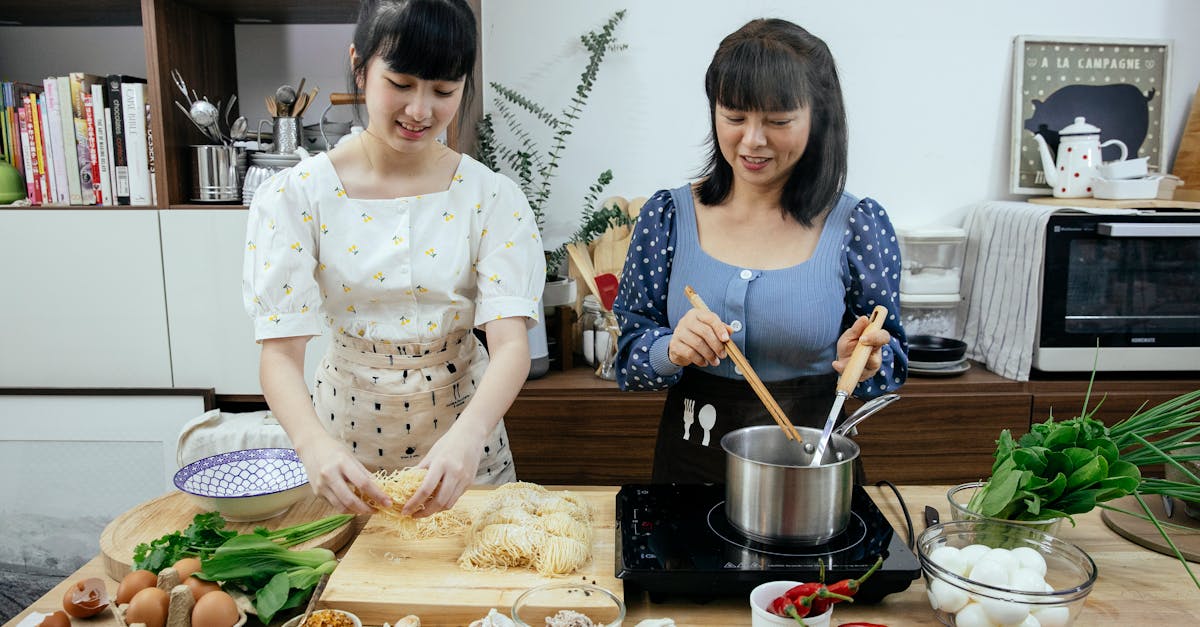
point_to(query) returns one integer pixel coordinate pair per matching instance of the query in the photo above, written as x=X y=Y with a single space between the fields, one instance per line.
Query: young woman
x=400 y=246
x=787 y=261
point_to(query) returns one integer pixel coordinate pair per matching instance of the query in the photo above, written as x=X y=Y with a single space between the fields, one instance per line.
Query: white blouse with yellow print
x=400 y=270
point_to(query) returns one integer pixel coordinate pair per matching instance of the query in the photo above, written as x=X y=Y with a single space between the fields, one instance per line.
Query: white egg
x=973 y=552
x=951 y=559
x=933 y=601
x=1030 y=621
x=1047 y=587
x=948 y=598
x=1004 y=556
x=989 y=572
x=1028 y=581
x=1004 y=612
x=972 y=616
x=1030 y=558
x=1053 y=616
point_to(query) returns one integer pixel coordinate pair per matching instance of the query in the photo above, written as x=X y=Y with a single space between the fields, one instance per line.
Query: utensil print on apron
x=689 y=417
x=708 y=420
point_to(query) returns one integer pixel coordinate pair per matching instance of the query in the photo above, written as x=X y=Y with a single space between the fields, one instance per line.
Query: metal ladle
x=205 y=114
x=286 y=97
x=864 y=412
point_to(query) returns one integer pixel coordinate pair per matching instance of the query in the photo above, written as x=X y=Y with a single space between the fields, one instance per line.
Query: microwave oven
x=1121 y=292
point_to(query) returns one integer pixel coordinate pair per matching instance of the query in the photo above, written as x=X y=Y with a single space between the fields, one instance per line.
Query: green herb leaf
x=270 y=598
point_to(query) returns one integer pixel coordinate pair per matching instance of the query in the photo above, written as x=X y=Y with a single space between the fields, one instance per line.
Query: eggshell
x=215 y=609
x=135 y=582
x=86 y=597
x=199 y=587
x=1004 y=612
x=57 y=619
x=1031 y=559
x=972 y=616
x=1053 y=616
x=949 y=598
x=185 y=567
x=148 y=606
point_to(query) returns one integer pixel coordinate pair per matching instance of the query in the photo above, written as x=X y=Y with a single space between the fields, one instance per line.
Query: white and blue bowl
x=247 y=485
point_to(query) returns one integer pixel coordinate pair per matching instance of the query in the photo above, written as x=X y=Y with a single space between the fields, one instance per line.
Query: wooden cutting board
x=1144 y=533
x=382 y=579
x=174 y=512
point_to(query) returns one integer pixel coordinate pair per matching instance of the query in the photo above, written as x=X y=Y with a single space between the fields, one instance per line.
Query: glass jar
x=607 y=333
x=592 y=314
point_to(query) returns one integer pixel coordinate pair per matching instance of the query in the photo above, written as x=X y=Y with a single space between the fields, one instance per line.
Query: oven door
x=1128 y=284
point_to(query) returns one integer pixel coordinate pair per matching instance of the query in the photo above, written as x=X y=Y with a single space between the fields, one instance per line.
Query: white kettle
x=1071 y=175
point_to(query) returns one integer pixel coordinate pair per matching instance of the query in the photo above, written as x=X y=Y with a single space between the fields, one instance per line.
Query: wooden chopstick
x=578 y=253
x=751 y=377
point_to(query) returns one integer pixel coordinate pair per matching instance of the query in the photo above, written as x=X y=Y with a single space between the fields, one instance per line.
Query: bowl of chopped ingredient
x=325 y=618
x=982 y=572
x=568 y=604
x=246 y=485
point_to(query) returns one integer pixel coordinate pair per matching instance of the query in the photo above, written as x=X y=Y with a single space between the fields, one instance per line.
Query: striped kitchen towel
x=1002 y=282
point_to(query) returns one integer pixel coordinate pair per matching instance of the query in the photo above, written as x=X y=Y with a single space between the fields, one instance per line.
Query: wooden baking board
x=1187 y=160
x=174 y=512
x=382 y=578
x=1098 y=203
x=1144 y=533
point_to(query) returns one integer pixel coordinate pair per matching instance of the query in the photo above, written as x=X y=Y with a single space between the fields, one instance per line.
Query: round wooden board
x=1144 y=533
x=174 y=512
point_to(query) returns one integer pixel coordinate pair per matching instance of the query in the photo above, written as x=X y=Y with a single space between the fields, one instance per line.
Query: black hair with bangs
x=431 y=39
x=775 y=65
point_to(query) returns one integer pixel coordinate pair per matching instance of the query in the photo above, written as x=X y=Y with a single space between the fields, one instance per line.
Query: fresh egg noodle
x=400 y=485
x=526 y=525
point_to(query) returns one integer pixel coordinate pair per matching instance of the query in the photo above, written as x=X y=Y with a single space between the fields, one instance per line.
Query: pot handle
x=865 y=412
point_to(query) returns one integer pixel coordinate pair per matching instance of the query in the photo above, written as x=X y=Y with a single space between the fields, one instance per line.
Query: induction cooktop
x=674 y=540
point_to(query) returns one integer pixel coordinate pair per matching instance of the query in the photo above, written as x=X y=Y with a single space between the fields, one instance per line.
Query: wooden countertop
x=1135 y=586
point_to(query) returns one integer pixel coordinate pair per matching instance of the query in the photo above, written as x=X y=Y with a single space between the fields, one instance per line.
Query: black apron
x=701 y=408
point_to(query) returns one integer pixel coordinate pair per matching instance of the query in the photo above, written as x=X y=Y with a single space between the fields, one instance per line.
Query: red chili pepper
x=803 y=590
x=846 y=588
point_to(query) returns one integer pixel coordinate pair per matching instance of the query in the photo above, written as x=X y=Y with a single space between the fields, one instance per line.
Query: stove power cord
x=912 y=540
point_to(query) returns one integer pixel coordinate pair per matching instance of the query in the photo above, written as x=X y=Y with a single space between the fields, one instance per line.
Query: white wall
x=25 y=55
x=927 y=86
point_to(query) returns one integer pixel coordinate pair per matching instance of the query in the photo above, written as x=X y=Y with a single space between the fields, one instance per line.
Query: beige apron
x=391 y=402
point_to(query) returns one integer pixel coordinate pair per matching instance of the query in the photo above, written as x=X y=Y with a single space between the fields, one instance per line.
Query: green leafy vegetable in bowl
x=1068 y=467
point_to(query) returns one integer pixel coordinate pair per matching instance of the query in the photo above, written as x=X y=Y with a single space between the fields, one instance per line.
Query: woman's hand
x=852 y=338
x=452 y=464
x=334 y=473
x=699 y=339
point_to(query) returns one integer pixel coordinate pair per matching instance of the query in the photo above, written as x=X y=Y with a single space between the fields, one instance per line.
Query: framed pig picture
x=1117 y=85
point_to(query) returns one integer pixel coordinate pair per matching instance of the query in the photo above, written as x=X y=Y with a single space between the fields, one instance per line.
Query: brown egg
x=86 y=597
x=134 y=583
x=215 y=609
x=186 y=566
x=199 y=587
x=57 y=619
x=148 y=606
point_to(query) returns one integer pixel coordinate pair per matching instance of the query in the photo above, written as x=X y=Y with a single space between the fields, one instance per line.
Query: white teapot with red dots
x=1071 y=175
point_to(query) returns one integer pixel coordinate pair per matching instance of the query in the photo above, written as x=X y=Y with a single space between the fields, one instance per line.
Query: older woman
x=788 y=262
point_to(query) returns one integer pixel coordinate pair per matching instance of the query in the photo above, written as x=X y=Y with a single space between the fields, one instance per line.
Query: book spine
x=70 y=150
x=58 y=159
x=117 y=139
x=102 y=151
x=150 y=161
x=27 y=157
x=133 y=110
x=47 y=150
x=108 y=157
x=39 y=158
x=82 y=148
x=93 y=152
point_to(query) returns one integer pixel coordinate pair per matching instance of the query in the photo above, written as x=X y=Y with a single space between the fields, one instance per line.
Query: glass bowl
x=955 y=588
x=537 y=607
x=246 y=485
x=960 y=495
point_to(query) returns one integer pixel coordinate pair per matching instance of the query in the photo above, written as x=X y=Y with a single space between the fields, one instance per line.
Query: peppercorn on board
x=382 y=578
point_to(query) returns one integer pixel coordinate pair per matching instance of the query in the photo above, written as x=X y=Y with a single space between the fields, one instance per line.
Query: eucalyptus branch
x=525 y=103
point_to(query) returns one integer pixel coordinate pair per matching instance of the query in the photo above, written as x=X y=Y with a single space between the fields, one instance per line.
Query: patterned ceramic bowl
x=253 y=484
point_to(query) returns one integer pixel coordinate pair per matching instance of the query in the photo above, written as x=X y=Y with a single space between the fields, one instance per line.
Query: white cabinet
x=82 y=299
x=212 y=337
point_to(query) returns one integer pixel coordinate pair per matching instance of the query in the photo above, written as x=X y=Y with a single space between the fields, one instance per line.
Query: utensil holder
x=215 y=175
x=286 y=132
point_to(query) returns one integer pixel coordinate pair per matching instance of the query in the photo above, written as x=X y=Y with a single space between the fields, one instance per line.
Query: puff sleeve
x=641 y=304
x=510 y=266
x=873 y=278
x=278 y=272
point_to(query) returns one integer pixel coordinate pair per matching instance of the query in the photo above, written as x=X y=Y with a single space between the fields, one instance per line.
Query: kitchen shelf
x=72 y=13
x=1098 y=203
